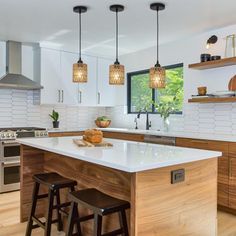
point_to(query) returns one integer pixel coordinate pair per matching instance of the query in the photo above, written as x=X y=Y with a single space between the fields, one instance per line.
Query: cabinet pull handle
x=62 y=96
x=80 y=97
x=59 y=96
x=99 y=97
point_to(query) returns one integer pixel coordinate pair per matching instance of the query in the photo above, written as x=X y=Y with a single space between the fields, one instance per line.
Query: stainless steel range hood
x=14 y=78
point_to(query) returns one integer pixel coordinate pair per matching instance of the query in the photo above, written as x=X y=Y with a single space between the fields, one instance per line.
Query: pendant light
x=157 y=74
x=80 y=70
x=116 y=71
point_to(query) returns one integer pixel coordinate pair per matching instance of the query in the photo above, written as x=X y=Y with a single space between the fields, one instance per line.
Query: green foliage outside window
x=141 y=96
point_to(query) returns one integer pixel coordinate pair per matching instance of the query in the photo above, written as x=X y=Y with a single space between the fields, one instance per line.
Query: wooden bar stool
x=101 y=204
x=54 y=182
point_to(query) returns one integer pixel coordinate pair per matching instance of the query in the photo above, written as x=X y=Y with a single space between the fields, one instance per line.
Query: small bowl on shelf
x=102 y=123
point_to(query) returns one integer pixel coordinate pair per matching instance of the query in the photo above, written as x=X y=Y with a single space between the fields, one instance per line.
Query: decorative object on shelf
x=212 y=40
x=214 y=58
x=157 y=74
x=116 y=71
x=202 y=91
x=232 y=84
x=80 y=70
x=165 y=109
x=205 y=57
x=230 y=46
x=55 y=118
x=102 y=122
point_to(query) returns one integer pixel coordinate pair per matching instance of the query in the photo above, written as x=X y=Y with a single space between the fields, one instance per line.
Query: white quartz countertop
x=124 y=155
x=183 y=134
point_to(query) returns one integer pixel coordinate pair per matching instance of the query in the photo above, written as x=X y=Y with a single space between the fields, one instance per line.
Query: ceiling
x=53 y=22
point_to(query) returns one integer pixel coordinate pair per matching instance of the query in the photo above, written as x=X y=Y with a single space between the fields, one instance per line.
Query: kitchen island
x=172 y=190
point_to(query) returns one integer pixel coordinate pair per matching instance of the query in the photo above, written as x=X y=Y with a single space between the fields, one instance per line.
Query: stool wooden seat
x=54 y=182
x=100 y=204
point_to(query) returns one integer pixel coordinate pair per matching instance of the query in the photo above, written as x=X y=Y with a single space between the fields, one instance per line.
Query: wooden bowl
x=102 y=123
x=202 y=91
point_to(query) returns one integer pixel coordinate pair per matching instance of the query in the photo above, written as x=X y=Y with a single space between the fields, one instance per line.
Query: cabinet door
x=223 y=163
x=87 y=91
x=51 y=76
x=108 y=95
x=232 y=175
x=70 y=89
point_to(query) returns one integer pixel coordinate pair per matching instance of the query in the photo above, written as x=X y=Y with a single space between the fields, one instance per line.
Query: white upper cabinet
x=56 y=74
x=71 y=90
x=108 y=95
x=50 y=77
x=88 y=91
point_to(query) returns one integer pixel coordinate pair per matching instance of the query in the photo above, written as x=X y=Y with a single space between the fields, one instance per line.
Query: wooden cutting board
x=232 y=84
x=83 y=143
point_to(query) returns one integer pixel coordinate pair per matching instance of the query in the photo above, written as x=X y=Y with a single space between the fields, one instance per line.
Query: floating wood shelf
x=212 y=100
x=213 y=64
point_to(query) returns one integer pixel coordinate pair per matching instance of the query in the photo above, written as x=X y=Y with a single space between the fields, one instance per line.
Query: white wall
x=214 y=118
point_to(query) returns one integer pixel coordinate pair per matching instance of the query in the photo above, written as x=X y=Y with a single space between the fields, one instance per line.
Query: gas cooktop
x=22 y=132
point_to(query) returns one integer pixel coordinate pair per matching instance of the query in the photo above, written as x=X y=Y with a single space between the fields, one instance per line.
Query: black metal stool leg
x=48 y=225
x=59 y=224
x=97 y=231
x=33 y=208
x=123 y=223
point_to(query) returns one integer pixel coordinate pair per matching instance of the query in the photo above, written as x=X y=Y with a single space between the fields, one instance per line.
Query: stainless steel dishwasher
x=164 y=140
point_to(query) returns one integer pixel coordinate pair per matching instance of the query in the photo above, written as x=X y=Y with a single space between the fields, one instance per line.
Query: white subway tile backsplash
x=206 y=118
x=17 y=108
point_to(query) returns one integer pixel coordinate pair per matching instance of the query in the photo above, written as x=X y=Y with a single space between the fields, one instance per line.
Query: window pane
x=174 y=88
x=141 y=94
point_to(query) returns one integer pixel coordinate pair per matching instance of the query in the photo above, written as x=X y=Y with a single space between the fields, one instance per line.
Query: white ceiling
x=54 y=22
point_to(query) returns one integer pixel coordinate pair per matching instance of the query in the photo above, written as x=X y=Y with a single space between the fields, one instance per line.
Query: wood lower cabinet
x=124 y=136
x=223 y=165
x=232 y=175
x=65 y=134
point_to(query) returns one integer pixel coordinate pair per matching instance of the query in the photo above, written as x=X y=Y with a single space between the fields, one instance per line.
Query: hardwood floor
x=10 y=226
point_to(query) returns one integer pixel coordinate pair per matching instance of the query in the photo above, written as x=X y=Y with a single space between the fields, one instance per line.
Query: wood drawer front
x=203 y=144
x=65 y=134
x=125 y=136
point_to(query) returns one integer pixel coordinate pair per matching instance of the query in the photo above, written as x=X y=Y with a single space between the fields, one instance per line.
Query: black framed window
x=140 y=96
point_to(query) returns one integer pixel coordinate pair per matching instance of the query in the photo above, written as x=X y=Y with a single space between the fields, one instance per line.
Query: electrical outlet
x=177 y=176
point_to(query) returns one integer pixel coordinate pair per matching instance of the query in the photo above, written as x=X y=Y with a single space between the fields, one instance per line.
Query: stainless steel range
x=10 y=155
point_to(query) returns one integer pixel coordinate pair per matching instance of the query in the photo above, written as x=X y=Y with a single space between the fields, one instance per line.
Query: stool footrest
x=42 y=196
x=38 y=222
x=65 y=204
x=85 y=218
x=115 y=232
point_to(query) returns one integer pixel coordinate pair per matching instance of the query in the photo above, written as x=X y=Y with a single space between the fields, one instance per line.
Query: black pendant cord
x=117 y=43
x=80 y=37
x=158 y=64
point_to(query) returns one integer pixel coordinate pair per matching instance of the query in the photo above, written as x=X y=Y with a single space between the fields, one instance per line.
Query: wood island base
x=158 y=208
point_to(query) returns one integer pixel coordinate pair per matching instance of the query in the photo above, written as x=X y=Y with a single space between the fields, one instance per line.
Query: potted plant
x=55 y=118
x=165 y=109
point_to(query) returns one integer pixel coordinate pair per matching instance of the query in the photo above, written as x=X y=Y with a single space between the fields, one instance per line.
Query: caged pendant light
x=116 y=71
x=80 y=70
x=157 y=74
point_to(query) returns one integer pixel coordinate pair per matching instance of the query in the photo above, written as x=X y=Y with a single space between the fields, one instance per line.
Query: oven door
x=10 y=176
x=10 y=150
